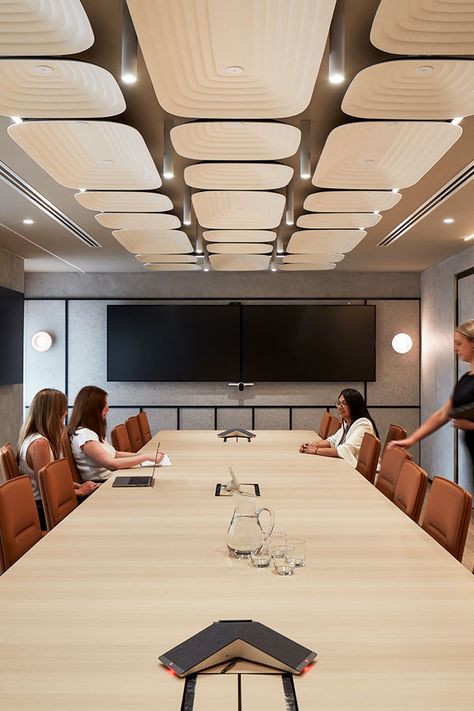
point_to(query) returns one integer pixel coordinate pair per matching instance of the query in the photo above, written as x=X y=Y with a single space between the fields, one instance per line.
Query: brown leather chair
x=394 y=432
x=324 y=424
x=57 y=491
x=134 y=433
x=447 y=515
x=120 y=439
x=8 y=462
x=411 y=489
x=334 y=425
x=368 y=456
x=392 y=462
x=144 y=426
x=67 y=452
x=19 y=521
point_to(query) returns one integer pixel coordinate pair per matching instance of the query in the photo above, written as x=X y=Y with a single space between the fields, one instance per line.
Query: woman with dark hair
x=95 y=457
x=40 y=441
x=356 y=421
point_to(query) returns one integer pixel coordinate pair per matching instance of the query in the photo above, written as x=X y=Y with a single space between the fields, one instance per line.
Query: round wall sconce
x=41 y=341
x=402 y=343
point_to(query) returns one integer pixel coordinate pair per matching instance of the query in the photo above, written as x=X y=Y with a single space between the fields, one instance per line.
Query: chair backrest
x=368 y=456
x=120 y=439
x=411 y=489
x=134 y=433
x=334 y=425
x=19 y=521
x=324 y=424
x=144 y=426
x=394 y=432
x=67 y=452
x=8 y=462
x=392 y=461
x=447 y=515
x=57 y=491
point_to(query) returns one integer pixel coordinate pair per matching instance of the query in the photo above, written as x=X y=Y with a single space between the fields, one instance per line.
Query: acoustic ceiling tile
x=239 y=248
x=175 y=267
x=351 y=201
x=239 y=236
x=382 y=154
x=154 y=241
x=413 y=89
x=100 y=154
x=52 y=88
x=239 y=262
x=301 y=267
x=313 y=258
x=238 y=176
x=324 y=241
x=162 y=258
x=124 y=201
x=233 y=210
x=137 y=220
x=43 y=28
x=330 y=221
x=226 y=59
x=235 y=140
x=424 y=27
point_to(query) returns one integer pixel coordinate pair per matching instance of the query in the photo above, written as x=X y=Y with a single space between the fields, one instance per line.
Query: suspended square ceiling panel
x=301 y=267
x=179 y=258
x=241 y=209
x=235 y=140
x=173 y=267
x=124 y=202
x=51 y=88
x=239 y=248
x=424 y=27
x=351 y=201
x=137 y=220
x=330 y=221
x=324 y=241
x=154 y=241
x=239 y=262
x=239 y=236
x=238 y=176
x=413 y=89
x=382 y=154
x=227 y=59
x=313 y=258
x=100 y=154
x=47 y=27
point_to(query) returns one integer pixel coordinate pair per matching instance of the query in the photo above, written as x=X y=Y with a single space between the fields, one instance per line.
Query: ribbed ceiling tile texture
x=226 y=59
x=162 y=258
x=351 y=201
x=100 y=154
x=239 y=236
x=301 y=267
x=238 y=176
x=154 y=241
x=382 y=154
x=175 y=267
x=330 y=221
x=238 y=209
x=239 y=248
x=239 y=262
x=313 y=258
x=137 y=220
x=324 y=241
x=124 y=201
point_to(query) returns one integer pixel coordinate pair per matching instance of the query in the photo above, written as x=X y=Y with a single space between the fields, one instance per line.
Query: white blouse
x=23 y=465
x=88 y=468
x=348 y=446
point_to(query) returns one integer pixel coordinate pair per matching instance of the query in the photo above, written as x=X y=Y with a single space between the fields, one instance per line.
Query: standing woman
x=356 y=421
x=95 y=457
x=463 y=394
x=40 y=441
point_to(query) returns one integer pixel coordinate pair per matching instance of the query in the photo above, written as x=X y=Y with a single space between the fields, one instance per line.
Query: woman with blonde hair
x=462 y=396
x=95 y=457
x=40 y=440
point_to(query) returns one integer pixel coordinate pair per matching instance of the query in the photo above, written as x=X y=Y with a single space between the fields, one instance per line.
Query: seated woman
x=356 y=421
x=95 y=457
x=39 y=442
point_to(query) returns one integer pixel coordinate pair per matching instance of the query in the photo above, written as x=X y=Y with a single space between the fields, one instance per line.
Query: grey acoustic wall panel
x=234 y=417
x=196 y=419
x=272 y=419
x=307 y=418
x=44 y=369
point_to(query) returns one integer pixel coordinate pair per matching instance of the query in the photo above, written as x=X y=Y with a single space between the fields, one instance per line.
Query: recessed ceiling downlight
x=233 y=70
x=43 y=69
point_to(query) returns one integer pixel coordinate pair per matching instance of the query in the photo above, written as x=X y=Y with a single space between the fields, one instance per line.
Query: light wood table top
x=133 y=572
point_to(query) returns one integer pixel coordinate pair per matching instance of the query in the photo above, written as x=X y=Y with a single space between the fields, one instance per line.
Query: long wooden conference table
x=132 y=572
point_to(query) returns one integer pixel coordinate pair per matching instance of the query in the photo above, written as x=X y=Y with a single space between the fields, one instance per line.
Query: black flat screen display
x=173 y=343
x=11 y=351
x=308 y=343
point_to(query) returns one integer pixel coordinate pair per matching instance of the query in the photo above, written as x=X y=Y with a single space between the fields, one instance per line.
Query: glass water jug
x=246 y=533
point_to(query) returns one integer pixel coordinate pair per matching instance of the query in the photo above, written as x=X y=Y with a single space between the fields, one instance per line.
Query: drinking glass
x=284 y=560
x=261 y=558
x=300 y=550
x=278 y=541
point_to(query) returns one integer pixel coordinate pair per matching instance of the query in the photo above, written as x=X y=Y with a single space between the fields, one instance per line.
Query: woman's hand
x=404 y=443
x=463 y=424
x=309 y=448
x=305 y=445
x=85 y=489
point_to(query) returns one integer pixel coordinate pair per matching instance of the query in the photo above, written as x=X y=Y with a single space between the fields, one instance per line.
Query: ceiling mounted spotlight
x=128 y=72
x=16 y=119
x=448 y=220
x=290 y=205
x=337 y=42
x=41 y=341
x=28 y=221
x=305 y=150
x=186 y=205
x=168 y=162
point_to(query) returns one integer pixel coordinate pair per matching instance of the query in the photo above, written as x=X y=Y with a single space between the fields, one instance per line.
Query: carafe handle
x=266 y=533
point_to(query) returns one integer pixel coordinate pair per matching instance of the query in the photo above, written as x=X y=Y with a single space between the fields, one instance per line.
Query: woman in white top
x=40 y=440
x=356 y=421
x=95 y=457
